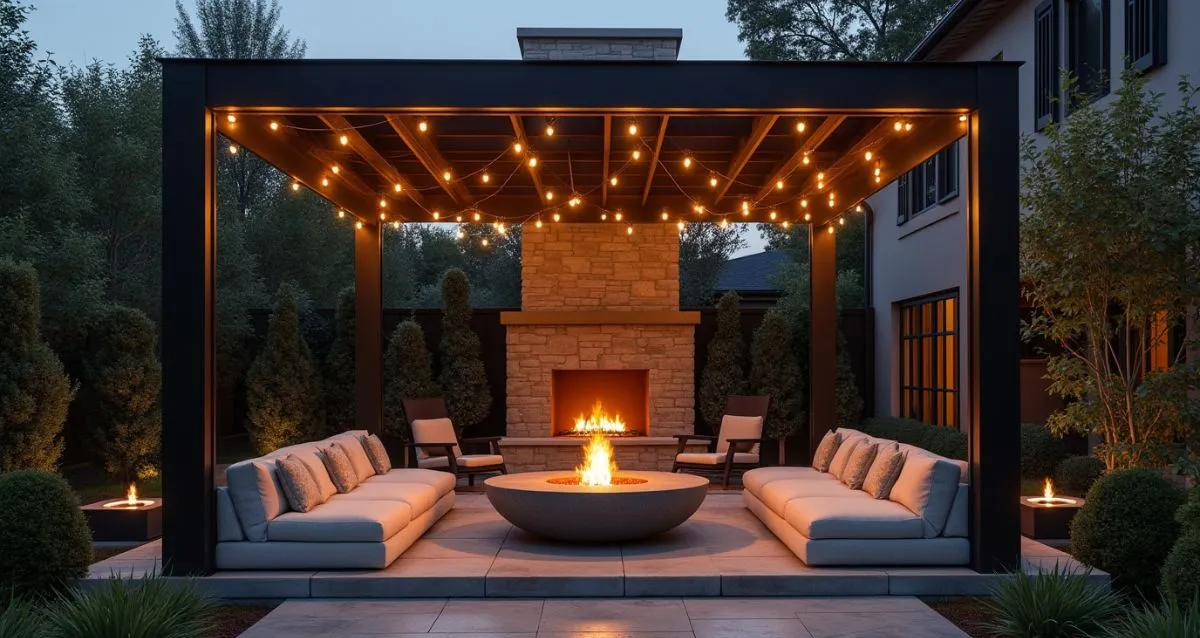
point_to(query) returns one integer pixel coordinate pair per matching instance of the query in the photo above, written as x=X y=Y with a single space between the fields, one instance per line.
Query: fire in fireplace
x=612 y=402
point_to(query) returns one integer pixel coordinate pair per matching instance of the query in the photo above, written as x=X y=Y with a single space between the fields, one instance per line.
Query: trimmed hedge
x=45 y=539
x=1181 y=571
x=1076 y=474
x=942 y=440
x=1040 y=451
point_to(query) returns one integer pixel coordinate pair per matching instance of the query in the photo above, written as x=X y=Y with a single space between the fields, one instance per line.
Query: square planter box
x=123 y=523
x=1041 y=521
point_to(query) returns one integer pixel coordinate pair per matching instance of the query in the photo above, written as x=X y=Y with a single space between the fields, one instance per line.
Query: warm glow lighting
x=724 y=223
x=458 y=218
x=557 y=217
x=483 y=242
x=549 y=130
x=637 y=155
x=437 y=215
x=712 y=181
x=858 y=208
x=898 y=126
x=446 y=175
x=478 y=216
x=629 y=229
x=397 y=188
x=800 y=126
x=233 y=149
x=618 y=216
x=841 y=221
x=231 y=118
x=131 y=500
x=603 y=216
x=396 y=225
x=820 y=176
x=779 y=184
x=344 y=140
x=820 y=185
x=680 y=225
x=341 y=214
x=517 y=148
x=829 y=229
x=877 y=171
x=336 y=169
x=804 y=203
x=687 y=161
x=772 y=215
x=1048 y=498
x=459 y=235
x=807 y=160
x=599 y=464
x=785 y=224
x=908 y=126
x=500 y=228
x=633 y=128
x=549 y=196
x=358 y=225
x=613 y=180
x=807 y=217
x=962 y=118
x=274 y=125
x=383 y=217
x=423 y=126
x=868 y=155
x=486 y=178
x=698 y=208
x=538 y=223
x=665 y=216
x=382 y=203
x=324 y=181
x=532 y=162
x=295 y=186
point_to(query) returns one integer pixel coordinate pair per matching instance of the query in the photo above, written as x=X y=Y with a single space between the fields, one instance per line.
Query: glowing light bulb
x=459 y=235
x=437 y=215
x=613 y=180
x=336 y=169
x=680 y=225
x=629 y=229
x=483 y=242
x=458 y=218
x=820 y=185
x=358 y=225
x=618 y=216
x=446 y=175
x=699 y=208
x=232 y=118
x=324 y=181
x=274 y=125
x=800 y=126
x=549 y=130
x=908 y=126
x=841 y=221
x=858 y=208
x=486 y=178
x=423 y=126
x=898 y=126
x=804 y=203
x=637 y=155
x=771 y=215
x=397 y=188
x=829 y=229
x=549 y=196
x=806 y=159
x=878 y=179
x=532 y=162
x=478 y=217
x=712 y=181
x=665 y=216
x=877 y=171
x=295 y=186
x=820 y=176
x=344 y=140
x=396 y=225
x=779 y=184
x=538 y=223
x=724 y=223
x=382 y=217
x=687 y=161
x=517 y=148
x=341 y=214
x=382 y=203
x=233 y=149
x=962 y=118
x=785 y=224
x=633 y=128
x=868 y=155
x=603 y=216
x=557 y=217
x=807 y=217
x=501 y=229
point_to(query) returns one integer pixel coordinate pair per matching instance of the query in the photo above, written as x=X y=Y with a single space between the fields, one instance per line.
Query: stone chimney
x=651 y=45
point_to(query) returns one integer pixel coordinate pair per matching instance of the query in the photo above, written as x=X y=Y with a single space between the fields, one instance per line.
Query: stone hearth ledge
x=600 y=317
x=617 y=441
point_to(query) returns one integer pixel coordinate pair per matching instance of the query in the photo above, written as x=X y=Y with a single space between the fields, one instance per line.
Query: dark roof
x=752 y=273
x=954 y=30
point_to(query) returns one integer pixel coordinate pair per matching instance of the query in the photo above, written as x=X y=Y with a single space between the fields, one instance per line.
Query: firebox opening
x=616 y=402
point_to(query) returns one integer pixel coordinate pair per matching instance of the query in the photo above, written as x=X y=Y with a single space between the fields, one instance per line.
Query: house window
x=1087 y=45
x=932 y=182
x=1146 y=33
x=1045 y=64
x=929 y=359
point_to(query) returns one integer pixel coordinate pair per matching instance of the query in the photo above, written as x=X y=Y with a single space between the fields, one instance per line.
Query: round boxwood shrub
x=1181 y=571
x=1076 y=474
x=1040 y=451
x=45 y=538
x=1127 y=527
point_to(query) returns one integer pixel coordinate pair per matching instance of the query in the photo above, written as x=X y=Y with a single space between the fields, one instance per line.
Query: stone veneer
x=650 y=45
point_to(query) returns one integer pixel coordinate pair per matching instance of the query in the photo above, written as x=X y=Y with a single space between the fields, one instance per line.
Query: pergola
x=507 y=142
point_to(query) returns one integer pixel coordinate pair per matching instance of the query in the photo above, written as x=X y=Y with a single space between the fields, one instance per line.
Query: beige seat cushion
x=777 y=494
x=434 y=431
x=464 y=461
x=927 y=486
x=840 y=517
x=739 y=427
x=440 y=481
x=420 y=497
x=755 y=479
x=359 y=460
x=343 y=521
x=715 y=458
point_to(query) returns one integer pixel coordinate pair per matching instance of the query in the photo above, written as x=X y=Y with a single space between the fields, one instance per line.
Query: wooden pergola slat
x=367 y=152
x=604 y=160
x=809 y=145
x=658 y=144
x=758 y=132
x=519 y=130
x=430 y=158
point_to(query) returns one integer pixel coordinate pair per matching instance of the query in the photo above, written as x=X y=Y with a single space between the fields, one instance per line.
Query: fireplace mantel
x=600 y=317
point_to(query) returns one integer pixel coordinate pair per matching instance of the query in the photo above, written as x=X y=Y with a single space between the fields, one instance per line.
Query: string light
x=687 y=161
x=603 y=217
x=397 y=188
x=396 y=225
x=232 y=118
x=771 y=215
x=800 y=126
x=500 y=228
x=962 y=118
x=423 y=126
x=712 y=181
x=858 y=208
x=358 y=225
x=478 y=216
x=821 y=176
x=618 y=216
x=779 y=184
x=681 y=225
x=539 y=222
x=665 y=216
x=382 y=203
x=806 y=159
x=745 y=208
x=344 y=140
x=898 y=126
x=458 y=218
x=341 y=214
x=336 y=169
x=699 y=208
x=549 y=130
x=549 y=196
x=613 y=180
x=574 y=201
x=485 y=177
x=325 y=181
x=483 y=242
x=829 y=229
x=274 y=125
x=459 y=235
x=446 y=175
x=820 y=185
x=532 y=162
x=637 y=155
x=517 y=148
x=724 y=223
x=383 y=217
x=633 y=127
x=804 y=203
x=295 y=186
x=908 y=126
x=785 y=224
x=807 y=217
x=841 y=221
x=868 y=155
x=437 y=215
x=557 y=217
x=233 y=149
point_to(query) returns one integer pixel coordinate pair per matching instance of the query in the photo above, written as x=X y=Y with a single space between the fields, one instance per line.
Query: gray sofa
x=367 y=527
x=824 y=522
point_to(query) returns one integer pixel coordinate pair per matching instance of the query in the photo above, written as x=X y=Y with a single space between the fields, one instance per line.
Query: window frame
x=1075 y=48
x=1154 y=15
x=911 y=341
x=944 y=167
x=1047 y=62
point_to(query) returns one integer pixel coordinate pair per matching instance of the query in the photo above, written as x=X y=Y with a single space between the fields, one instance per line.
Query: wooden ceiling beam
x=430 y=158
x=758 y=132
x=658 y=144
x=875 y=140
x=534 y=172
x=809 y=145
x=605 y=159
x=359 y=144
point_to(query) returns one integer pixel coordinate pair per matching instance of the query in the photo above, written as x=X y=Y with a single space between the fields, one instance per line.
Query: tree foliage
x=122 y=379
x=47 y=543
x=724 y=372
x=774 y=372
x=1109 y=251
x=236 y=30
x=283 y=387
x=703 y=250
x=462 y=377
x=408 y=373
x=34 y=391
x=340 y=370
x=833 y=29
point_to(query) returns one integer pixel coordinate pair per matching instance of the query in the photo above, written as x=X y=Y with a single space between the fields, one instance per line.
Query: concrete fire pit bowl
x=637 y=505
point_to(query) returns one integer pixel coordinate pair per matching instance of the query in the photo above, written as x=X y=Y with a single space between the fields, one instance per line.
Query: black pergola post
x=368 y=326
x=822 y=334
x=188 y=330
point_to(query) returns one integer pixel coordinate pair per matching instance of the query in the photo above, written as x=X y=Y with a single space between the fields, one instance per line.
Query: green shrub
x=1050 y=604
x=340 y=369
x=775 y=373
x=463 y=379
x=1076 y=474
x=45 y=539
x=1167 y=619
x=947 y=442
x=149 y=607
x=20 y=619
x=725 y=369
x=848 y=402
x=34 y=390
x=1181 y=571
x=1127 y=527
x=408 y=371
x=1040 y=451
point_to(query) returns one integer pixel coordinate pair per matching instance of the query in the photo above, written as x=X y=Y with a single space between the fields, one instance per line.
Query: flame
x=131 y=495
x=1048 y=490
x=599 y=421
x=598 y=462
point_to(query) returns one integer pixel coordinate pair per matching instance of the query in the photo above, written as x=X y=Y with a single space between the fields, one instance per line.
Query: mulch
x=232 y=620
x=966 y=612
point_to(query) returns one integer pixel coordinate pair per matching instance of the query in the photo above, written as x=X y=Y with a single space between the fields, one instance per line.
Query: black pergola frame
x=194 y=91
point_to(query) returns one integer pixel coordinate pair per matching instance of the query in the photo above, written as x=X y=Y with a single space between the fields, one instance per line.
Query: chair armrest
x=493 y=442
x=702 y=437
x=441 y=449
x=682 y=441
x=754 y=440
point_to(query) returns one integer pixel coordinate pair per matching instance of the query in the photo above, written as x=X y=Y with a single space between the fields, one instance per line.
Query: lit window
x=928 y=379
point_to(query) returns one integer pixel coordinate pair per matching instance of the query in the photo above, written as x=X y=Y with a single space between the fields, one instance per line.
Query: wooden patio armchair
x=737 y=445
x=436 y=446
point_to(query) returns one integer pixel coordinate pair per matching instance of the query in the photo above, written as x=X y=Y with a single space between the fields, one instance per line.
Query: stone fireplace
x=616 y=402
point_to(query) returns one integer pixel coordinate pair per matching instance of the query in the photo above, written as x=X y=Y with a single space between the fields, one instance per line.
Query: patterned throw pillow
x=298 y=483
x=340 y=469
x=377 y=453
x=841 y=458
x=858 y=465
x=885 y=469
x=825 y=451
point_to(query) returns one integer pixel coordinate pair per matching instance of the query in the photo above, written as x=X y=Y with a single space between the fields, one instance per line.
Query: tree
x=725 y=370
x=774 y=372
x=408 y=372
x=235 y=29
x=283 y=388
x=34 y=391
x=833 y=29
x=122 y=379
x=703 y=250
x=340 y=368
x=494 y=269
x=463 y=380
x=1109 y=254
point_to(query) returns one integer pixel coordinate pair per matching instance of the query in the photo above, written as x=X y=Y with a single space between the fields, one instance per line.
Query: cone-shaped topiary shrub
x=774 y=372
x=147 y=607
x=1041 y=452
x=1127 y=527
x=340 y=369
x=849 y=402
x=45 y=539
x=1076 y=474
x=725 y=370
x=122 y=379
x=34 y=391
x=1181 y=571
x=283 y=390
x=408 y=370
x=462 y=379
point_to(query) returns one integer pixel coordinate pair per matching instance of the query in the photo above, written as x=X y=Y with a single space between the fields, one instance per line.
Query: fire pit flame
x=1048 y=498
x=131 y=500
x=599 y=463
x=599 y=421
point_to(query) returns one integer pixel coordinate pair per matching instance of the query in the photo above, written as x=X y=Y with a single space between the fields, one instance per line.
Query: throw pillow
x=377 y=453
x=885 y=469
x=353 y=447
x=825 y=451
x=340 y=469
x=299 y=486
x=858 y=465
x=841 y=458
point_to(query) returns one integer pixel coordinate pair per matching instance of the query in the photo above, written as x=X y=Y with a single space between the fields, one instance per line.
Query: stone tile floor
x=862 y=617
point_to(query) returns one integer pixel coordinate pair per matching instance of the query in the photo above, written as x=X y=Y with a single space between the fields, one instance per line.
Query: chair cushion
x=440 y=481
x=342 y=521
x=739 y=427
x=357 y=454
x=434 y=431
x=825 y=451
x=420 y=497
x=777 y=494
x=339 y=467
x=755 y=479
x=464 y=461
x=841 y=458
x=839 y=517
x=927 y=487
x=380 y=461
x=298 y=484
x=715 y=458
x=859 y=464
x=885 y=469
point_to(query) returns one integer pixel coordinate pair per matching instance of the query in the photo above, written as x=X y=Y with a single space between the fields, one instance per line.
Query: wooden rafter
x=758 y=132
x=519 y=131
x=363 y=148
x=658 y=144
x=809 y=145
x=430 y=158
x=604 y=160
x=849 y=159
